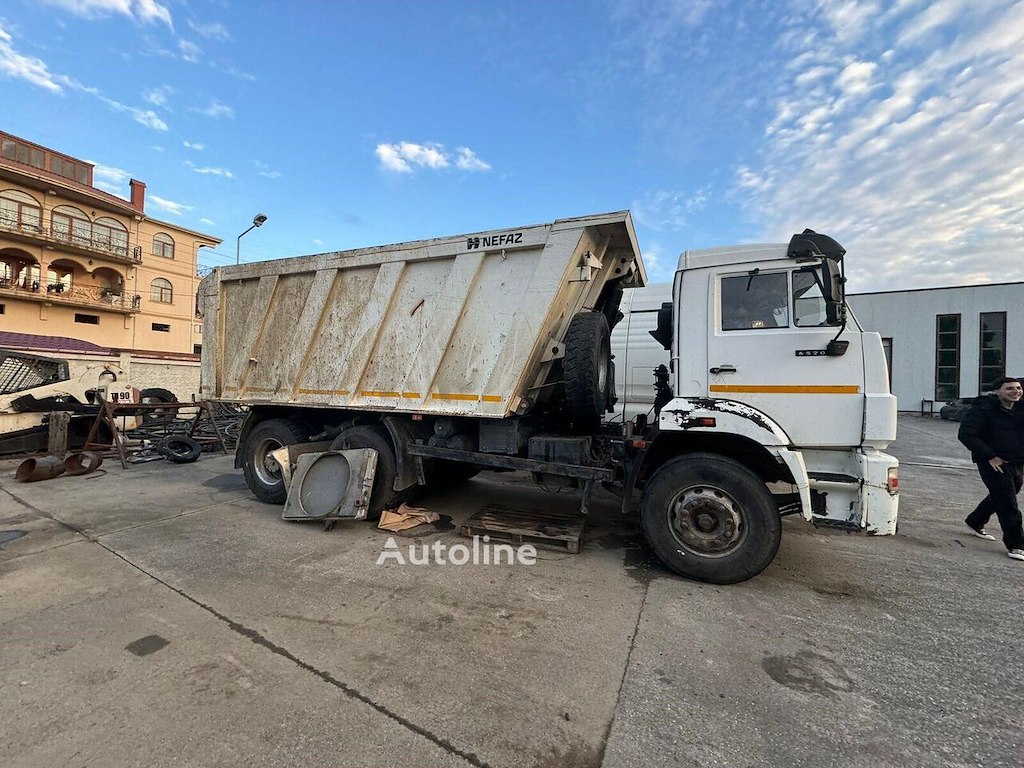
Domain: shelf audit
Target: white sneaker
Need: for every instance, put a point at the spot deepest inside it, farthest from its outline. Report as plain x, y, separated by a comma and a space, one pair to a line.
981, 533
1016, 554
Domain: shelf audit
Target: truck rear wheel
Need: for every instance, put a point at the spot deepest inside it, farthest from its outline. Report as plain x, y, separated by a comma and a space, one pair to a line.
587, 368
383, 495
711, 519
262, 472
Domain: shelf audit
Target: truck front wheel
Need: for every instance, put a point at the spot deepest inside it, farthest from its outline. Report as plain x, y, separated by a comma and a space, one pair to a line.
711, 519
262, 472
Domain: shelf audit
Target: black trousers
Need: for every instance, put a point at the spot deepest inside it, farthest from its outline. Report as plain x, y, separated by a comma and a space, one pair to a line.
1003, 488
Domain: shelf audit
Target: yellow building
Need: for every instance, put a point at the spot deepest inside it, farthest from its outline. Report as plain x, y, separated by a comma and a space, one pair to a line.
79, 263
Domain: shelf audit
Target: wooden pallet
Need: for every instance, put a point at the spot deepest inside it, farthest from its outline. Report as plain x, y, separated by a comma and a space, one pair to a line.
550, 530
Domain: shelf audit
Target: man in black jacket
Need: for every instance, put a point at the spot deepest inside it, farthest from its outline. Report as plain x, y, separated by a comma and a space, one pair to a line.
993, 430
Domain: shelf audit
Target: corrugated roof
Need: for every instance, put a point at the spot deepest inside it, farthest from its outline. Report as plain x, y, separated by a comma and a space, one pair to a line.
35, 342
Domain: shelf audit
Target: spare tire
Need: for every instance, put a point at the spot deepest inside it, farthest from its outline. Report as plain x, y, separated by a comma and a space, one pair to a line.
586, 369
153, 396
181, 449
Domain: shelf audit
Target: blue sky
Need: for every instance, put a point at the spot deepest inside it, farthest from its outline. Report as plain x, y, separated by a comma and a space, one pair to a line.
897, 127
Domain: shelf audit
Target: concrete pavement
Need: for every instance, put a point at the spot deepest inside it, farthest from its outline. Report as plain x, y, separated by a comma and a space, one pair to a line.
161, 616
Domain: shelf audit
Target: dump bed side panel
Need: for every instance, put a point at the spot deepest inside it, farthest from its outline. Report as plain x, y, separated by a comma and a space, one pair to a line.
442, 327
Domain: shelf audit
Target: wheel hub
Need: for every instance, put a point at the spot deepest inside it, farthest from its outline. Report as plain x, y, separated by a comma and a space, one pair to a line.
267, 469
706, 521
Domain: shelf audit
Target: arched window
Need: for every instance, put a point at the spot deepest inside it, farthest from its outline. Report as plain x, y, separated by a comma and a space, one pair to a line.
163, 245
71, 224
110, 234
19, 211
161, 290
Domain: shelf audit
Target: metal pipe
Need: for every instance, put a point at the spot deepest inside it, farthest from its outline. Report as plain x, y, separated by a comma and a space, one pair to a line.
82, 463
43, 468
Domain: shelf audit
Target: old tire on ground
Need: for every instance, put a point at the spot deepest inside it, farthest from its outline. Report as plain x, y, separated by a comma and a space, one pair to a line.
153, 395
181, 449
262, 472
711, 519
383, 496
586, 367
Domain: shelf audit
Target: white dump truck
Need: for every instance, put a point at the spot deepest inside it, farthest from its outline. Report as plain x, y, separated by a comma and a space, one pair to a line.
747, 395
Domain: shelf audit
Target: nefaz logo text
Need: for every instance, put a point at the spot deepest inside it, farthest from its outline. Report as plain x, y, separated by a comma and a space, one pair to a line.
508, 238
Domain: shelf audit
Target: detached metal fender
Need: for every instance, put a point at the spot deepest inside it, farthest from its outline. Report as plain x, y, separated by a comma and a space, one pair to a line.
684, 414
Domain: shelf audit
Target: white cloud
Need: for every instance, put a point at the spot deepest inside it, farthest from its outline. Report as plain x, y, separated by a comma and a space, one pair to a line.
158, 96
35, 71
147, 118
150, 10
207, 171
855, 78
264, 170
212, 31
141, 10
401, 157
110, 174
208, 222
660, 269
169, 205
657, 25
189, 51
192, 145
231, 70
668, 210
905, 156
426, 155
215, 109
27, 68
110, 179
467, 160
391, 160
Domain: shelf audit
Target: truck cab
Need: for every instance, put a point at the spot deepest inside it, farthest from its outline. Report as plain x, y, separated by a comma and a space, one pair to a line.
766, 366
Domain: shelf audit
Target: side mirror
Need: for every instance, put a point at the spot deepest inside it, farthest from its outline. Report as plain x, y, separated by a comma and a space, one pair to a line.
834, 292
663, 334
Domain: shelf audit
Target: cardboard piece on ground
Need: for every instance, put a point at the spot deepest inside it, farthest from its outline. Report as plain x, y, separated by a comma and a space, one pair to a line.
405, 517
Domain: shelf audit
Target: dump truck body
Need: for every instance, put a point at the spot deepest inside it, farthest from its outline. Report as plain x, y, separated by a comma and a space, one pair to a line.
461, 326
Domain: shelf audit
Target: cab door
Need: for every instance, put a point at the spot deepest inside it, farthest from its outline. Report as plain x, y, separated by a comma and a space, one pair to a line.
766, 348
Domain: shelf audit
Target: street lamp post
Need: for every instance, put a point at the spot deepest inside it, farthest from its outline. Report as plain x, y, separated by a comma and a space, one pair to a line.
257, 221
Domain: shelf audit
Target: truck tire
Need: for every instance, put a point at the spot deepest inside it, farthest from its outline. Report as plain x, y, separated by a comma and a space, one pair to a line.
262, 472
152, 395
383, 495
586, 368
711, 519
179, 449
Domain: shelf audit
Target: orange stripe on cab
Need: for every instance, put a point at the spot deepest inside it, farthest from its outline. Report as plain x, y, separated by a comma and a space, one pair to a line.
788, 389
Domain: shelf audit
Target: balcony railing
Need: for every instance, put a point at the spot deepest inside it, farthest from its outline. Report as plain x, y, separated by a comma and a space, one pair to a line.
93, 296
101, 245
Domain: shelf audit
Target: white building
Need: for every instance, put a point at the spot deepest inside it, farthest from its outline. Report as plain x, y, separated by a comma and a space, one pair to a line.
945, 343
